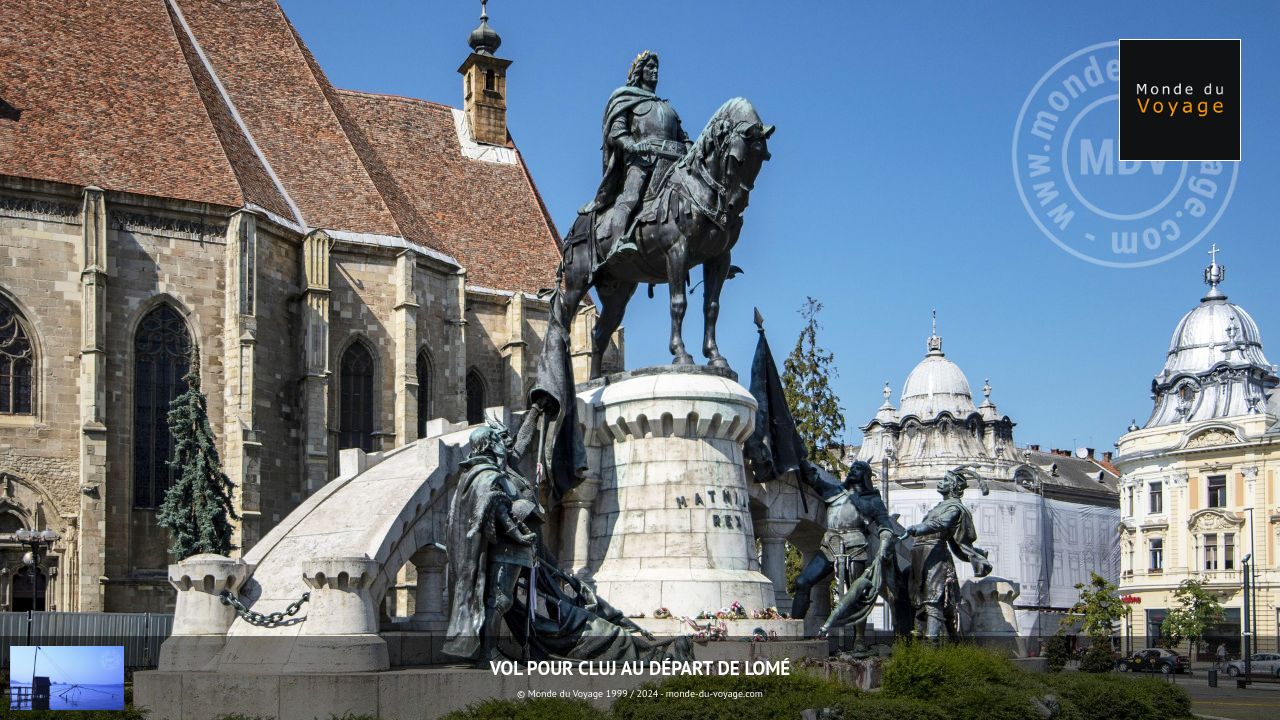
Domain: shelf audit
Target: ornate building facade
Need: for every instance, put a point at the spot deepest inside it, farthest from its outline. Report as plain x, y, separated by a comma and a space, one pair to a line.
1199, 491
1051, 515
178, 178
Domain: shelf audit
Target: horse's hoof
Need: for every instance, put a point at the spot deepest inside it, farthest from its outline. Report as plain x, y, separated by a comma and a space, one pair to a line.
685, 359
718, 362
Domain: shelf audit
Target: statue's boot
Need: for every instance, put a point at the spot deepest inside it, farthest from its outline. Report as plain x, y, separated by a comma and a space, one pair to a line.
489, 632
615, 226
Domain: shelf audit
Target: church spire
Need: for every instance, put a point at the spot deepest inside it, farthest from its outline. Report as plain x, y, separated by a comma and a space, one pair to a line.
484, 84
935, 342
1214, 275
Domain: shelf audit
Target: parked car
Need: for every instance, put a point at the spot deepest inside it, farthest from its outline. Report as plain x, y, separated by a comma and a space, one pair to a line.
1263, 664
1158, 660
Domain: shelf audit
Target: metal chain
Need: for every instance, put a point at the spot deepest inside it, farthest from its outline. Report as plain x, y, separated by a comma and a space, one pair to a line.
259, 619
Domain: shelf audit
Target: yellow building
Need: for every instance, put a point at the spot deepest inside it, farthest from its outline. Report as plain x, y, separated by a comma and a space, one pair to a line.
1198, 493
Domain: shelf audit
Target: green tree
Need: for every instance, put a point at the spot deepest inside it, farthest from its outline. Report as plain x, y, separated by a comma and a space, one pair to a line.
806, 377
197, 508
1098, 611
1195, 610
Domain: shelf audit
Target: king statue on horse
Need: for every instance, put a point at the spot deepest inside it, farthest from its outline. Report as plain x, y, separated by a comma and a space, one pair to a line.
642, 140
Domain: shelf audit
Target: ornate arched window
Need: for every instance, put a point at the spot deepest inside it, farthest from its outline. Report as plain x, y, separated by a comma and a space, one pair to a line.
161, 353
475, 397
17, 364
10, 523
424, 391
355, 398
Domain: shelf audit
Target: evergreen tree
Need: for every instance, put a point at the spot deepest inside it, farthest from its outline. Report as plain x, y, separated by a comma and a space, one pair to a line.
197, 508
806, 377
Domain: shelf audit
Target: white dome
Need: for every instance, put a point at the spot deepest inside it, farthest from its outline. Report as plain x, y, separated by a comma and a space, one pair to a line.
1214, 332
936, 385
1214, 367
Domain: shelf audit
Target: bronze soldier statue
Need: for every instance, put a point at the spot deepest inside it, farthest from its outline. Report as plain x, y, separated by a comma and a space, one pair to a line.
856, 519
947, 529
642, 138
491, 535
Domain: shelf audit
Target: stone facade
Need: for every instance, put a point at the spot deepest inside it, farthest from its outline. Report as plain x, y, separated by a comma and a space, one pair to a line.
70, 468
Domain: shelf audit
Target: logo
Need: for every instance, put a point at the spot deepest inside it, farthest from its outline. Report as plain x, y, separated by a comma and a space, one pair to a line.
1067, 168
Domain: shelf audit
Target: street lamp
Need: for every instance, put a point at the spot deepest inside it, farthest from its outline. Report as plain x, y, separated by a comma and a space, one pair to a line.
1248, 651
37, 541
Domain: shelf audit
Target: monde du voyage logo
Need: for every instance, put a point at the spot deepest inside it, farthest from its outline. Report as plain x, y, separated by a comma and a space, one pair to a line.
1123, 184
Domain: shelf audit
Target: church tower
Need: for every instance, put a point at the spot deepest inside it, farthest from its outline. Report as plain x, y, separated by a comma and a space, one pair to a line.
484, 84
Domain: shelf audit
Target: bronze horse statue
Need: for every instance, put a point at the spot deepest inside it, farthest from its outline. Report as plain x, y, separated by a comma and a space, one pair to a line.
690, 217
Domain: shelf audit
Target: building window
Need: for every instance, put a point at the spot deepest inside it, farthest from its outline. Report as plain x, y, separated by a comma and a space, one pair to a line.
17, 364
475, 397
490, 83
1157, 555
1211, 551
424, 392
161, 353
355, 399
1228, 551
1217, 491
1155, 495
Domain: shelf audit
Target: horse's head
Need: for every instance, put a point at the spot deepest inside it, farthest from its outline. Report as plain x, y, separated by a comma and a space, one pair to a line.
732, 149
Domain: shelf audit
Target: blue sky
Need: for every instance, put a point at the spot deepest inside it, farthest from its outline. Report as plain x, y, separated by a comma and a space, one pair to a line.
890, 191
81, 665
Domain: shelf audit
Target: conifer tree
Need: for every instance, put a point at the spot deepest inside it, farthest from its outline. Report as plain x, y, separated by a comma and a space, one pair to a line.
197, 508
806, 377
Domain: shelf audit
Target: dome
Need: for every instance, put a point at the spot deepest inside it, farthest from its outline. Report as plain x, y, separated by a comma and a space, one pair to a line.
1215, 366
484, 39
936, 385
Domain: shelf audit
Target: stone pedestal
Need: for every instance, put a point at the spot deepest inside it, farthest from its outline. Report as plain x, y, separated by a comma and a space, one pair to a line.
993, 620
200, 619
671, 526
341, 630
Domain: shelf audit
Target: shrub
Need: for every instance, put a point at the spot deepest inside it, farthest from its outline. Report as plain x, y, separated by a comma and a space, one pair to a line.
1057, 652
964, 681
782, 696
881, 707
536, 709
1114, 697
1098, 658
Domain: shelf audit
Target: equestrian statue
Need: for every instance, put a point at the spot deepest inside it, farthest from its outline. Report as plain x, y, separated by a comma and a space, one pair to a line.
664, 206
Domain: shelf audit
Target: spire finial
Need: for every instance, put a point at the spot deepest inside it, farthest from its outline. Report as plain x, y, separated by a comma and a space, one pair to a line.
484, 40
935, 342
887, 392
1214, 275
986, 388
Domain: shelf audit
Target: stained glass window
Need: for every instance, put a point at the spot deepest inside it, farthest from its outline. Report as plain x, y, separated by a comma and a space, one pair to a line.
161, 353
475, 397
424, 392
355, 402
17, 364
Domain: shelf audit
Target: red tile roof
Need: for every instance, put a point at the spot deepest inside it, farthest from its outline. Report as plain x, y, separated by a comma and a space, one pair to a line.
220, 101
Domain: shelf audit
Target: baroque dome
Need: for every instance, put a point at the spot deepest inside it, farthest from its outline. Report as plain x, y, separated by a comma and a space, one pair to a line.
1215, 366
936, 385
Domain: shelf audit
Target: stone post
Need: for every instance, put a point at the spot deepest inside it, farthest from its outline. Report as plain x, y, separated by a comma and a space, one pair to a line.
200, 619
773, 558
242, 450
315, 359
575, 539
429, 612
92, 542
405, 328
673, 492
340, 633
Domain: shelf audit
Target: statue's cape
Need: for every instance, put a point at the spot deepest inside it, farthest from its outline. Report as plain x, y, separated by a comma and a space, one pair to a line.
469, 531
622, 101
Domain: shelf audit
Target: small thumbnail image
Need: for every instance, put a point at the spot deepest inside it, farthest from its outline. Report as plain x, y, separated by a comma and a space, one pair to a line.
72, 677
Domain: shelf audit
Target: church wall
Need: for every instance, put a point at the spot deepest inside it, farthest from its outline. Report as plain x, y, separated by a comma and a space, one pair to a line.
38, 273
436, 307
278, 379
147, 267
486, 333
361, 305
